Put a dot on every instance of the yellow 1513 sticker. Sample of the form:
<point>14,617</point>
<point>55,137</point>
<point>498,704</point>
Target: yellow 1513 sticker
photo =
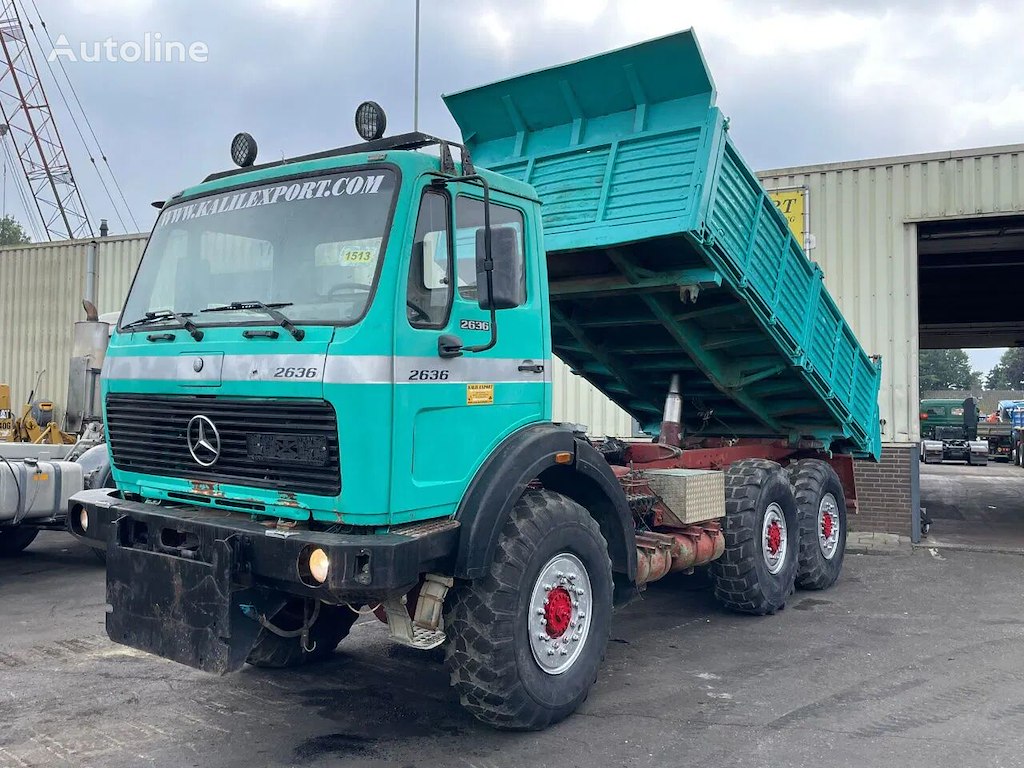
<point>358,257</point>
<point>479,394</point>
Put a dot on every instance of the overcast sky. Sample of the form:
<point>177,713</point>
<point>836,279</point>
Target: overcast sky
<point>803,81</point>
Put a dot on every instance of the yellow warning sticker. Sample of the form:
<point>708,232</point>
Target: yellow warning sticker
<point>41,476</point>
<point>479,394</point>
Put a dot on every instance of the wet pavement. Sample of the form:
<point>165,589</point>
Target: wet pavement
<point>911,660</point>
<point>974,507</point>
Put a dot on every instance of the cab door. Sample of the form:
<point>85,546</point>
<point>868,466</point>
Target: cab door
<point>450,413</point>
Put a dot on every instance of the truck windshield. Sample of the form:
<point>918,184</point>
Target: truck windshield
<point>315,243</point>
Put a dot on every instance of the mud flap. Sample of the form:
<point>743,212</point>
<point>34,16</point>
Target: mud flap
<point>181,609</point>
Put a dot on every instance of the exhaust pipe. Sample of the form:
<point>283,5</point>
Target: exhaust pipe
<point>672,418</point>
<point>91,277</point>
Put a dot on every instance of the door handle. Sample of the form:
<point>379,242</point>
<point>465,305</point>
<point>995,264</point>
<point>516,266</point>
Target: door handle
<point>528,366</point>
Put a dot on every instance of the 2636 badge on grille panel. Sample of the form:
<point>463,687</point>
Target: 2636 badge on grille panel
<point>295,449</point>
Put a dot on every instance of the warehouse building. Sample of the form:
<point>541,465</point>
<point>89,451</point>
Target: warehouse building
<point>919,252</point>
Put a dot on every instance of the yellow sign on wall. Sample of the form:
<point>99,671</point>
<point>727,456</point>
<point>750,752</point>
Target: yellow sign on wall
<point>793,205</point>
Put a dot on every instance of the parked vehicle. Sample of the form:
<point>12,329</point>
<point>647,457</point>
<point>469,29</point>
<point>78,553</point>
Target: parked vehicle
<point>1015,415</point>
<point>949,432</point>
<point>998,430</point>
<point>43,463</point>
<point>330,390</point>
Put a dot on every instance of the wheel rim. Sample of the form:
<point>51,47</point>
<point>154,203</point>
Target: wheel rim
<point>559,618</point>
<point>828,525</point>
<point>774,538</point>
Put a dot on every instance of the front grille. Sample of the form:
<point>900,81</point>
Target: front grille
<point>147,434</point>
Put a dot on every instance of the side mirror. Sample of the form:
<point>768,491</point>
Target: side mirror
<point>506,269</point>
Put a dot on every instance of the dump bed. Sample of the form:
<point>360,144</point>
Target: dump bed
<point>666,256</point>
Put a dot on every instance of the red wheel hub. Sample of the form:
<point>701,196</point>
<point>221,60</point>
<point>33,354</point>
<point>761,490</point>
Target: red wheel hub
<point>826,525</point>
<point>557,612</point>
<point>774,538</point>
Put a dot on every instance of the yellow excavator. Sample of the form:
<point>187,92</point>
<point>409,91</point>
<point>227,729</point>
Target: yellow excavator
<point>36,422</point>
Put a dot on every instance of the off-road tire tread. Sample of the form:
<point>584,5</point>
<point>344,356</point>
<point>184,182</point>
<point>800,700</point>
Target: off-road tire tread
<point>808,477</point>
<point>734,576</point>
<point>272,651</point>
<point>480,655</point>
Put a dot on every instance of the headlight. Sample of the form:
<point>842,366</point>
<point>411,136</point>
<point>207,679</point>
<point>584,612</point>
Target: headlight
<point>83,519</point>
<point>370,121</point>
<point>243,150</point>
<point>319,565</point>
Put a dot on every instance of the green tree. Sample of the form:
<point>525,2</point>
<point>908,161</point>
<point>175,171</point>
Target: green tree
<point>947,369</point>
<point>1008,372</point>
<point>12,233</point>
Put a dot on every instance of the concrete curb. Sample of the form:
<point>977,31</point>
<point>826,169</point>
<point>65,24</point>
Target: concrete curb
<point>954,547</point>
<point>872,543</point>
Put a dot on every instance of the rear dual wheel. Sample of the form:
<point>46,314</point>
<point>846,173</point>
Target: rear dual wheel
<point>757,572</point>
<point>821,504</point>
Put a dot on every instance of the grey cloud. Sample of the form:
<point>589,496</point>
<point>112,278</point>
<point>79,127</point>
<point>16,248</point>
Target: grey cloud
<point>294,79</point>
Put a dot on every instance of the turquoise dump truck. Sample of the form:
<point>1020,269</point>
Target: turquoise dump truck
<point>329,392</point>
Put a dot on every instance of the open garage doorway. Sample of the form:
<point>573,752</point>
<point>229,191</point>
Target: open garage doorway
<point>968,273</point>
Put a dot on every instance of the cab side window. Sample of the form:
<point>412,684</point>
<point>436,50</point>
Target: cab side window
<point>469,217</point>
<point>429,294</point>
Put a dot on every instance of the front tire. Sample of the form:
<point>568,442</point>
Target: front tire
<point>757,571</point>
<point>332,625</point>
<point>14,540</point>
<point>821,506</point>
<point>525,641</point>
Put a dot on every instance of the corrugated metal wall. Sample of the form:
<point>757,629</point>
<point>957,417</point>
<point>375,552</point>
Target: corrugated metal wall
<point>41,290</point>
<point>576,400</point>
<point>862,219</point>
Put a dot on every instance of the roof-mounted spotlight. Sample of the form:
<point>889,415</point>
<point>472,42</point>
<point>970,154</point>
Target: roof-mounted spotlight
<point>243,150</point>
<point>370,120</point>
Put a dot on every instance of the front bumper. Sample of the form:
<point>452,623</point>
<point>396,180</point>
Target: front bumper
<point>188,583</point>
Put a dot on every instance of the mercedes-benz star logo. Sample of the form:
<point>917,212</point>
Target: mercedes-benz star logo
<point>203,440</point>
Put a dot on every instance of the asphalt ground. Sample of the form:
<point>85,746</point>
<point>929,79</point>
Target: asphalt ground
<point>974,507</point>
<point>912,660</point>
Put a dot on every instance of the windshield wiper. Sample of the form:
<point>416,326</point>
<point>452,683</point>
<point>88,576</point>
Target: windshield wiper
<point>168,314</point>
<point>270,309</point>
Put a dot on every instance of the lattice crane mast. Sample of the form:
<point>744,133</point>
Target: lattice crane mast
<point>32,131</point>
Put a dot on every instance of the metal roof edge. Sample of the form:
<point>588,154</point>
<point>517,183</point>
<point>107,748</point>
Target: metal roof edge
<point>75,241</point>
<point>850,165</point>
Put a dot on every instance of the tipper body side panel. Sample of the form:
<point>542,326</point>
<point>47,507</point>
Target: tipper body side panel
<point>665,255</point>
